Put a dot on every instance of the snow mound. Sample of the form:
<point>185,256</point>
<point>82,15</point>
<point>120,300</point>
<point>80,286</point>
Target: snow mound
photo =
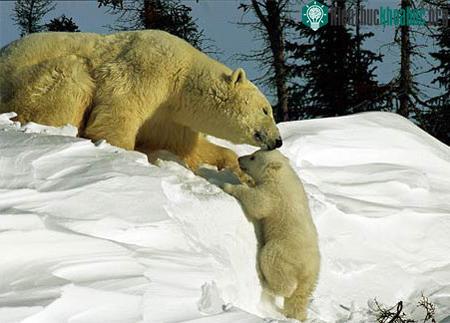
<point>93,233</point>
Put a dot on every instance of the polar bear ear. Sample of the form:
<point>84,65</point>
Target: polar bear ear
<point>238,76</point>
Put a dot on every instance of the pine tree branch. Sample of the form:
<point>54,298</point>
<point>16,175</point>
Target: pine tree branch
<point>260,15</point>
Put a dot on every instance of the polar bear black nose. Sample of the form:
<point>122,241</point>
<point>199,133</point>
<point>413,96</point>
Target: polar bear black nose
<point>278,143</point>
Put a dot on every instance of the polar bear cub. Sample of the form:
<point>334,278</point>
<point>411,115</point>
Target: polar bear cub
<point>289,259</point>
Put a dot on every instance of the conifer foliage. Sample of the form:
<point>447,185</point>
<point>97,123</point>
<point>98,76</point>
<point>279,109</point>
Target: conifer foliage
<point>435,118</point>
<point>169,15</point>
<point>28,15</point>
<point>332,74</point>
<point>62,23</point>
<point>271,26</point>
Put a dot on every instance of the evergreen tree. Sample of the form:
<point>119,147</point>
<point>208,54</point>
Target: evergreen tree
<point>408,91</point>
<point>113,3</point>
<point>271,26</point>
<point>435,119</point>
<point>367,94</point>
<point>29,13</point>
<point>332,74</point>
<point>168,15</point>
<point>62,24</point>
<point>443,58</point>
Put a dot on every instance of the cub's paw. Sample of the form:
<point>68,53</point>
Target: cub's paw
<point>228,188</point>
<point>246,179</point>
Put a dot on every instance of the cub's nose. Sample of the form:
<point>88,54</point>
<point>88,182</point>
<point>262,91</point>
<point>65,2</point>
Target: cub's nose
<point>278,143</point>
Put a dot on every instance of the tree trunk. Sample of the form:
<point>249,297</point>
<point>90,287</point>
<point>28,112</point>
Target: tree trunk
<point>358,32</point>
<point>274,27</point>
<point>277,46</point>
<point>150,14</point>
<point>30,18</point>
<point>405,66</point>
<point>280,78</point>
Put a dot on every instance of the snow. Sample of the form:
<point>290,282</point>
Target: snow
<point>92,233</point>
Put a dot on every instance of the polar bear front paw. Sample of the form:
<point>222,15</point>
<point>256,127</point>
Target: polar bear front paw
<point>228,188</point>
<point>246,179</point>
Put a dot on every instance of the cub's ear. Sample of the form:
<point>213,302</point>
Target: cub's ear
<point>274,165</point>
<point>238,76</point>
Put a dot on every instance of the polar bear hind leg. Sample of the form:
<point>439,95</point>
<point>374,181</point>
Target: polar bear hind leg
<point>54,92</point>
<point>279,274</point>
<point>296,306</point>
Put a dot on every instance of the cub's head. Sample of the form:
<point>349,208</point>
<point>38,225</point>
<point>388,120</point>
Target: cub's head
<point>254,122</point>
<point>263,163</point>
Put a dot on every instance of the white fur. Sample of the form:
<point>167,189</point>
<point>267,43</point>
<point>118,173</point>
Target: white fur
<point>289,260</point>
<point>144,90</point>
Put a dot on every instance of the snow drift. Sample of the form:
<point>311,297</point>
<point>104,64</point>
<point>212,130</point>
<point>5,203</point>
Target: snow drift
<point>93,233</point>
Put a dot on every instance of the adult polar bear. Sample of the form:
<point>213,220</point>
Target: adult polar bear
<point>143,90</point>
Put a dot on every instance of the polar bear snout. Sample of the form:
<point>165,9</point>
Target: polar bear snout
<point>265,142</point>
<point>240,160</point>
<point>278,142</point>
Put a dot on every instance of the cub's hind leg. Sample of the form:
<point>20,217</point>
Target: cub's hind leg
<point>296,306</point>
<point>279,274</point>
<point>54,92</point>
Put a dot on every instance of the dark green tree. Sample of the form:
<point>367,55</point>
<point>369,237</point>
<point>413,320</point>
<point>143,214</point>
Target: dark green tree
<point>435,118</point>
<point>271,27</point>
<point>169,15</point>
<point>332,73</point>
<point>28,15</point>
<point>112,3</point>
<point>62,23</point>
<point>408,91</point>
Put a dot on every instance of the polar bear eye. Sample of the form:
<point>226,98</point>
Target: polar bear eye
<point>265,111</point>
<point>252,158</point>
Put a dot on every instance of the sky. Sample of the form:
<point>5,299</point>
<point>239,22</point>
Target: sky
<point>219,20</point>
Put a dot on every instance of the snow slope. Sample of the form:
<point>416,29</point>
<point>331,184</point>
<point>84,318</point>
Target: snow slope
<point>93,233</point>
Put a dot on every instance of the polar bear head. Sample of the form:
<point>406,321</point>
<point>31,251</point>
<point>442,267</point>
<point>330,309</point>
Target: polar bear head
<point>255,123</point>
<point>229,106</point>
<point>263,164</point>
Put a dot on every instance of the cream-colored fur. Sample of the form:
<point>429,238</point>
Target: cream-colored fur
<point>143,90</point>
<point>289,259</point>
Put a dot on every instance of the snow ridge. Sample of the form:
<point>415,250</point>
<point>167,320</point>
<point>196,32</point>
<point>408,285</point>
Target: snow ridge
<point>93,233</point>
